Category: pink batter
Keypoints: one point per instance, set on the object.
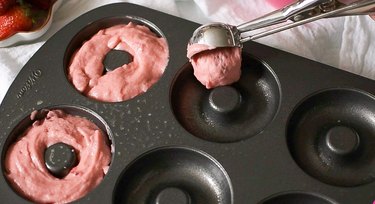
(215, 67)
(24, 162)
(150, 57)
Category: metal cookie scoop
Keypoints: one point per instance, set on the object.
(299, 13)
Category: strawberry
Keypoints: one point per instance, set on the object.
(5, 5)
(13, 21)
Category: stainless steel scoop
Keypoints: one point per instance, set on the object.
(299, 13)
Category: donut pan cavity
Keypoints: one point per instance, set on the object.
(290, 131)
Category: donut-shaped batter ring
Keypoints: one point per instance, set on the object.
(24, 163)
(150, 57)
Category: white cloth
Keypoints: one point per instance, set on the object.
(347, 43)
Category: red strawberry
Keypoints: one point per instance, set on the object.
(43, 4)
(5, 5)
(13, 21)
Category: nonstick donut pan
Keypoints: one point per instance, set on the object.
(290, 131)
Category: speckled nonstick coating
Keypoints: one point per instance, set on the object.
(159, 154)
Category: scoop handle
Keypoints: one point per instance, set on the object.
(367, 8)
(357, 8)
(279, 16)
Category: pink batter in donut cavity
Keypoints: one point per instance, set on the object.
(150, 57)
(215, 67)
(24, 162)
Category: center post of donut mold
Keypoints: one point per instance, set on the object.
(115, 59)
(59, 159)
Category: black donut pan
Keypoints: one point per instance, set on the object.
(290, 131)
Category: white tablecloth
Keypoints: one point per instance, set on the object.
(347, 43)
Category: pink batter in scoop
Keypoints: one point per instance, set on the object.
(24, 162)
(150, 57)
(215, 67)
